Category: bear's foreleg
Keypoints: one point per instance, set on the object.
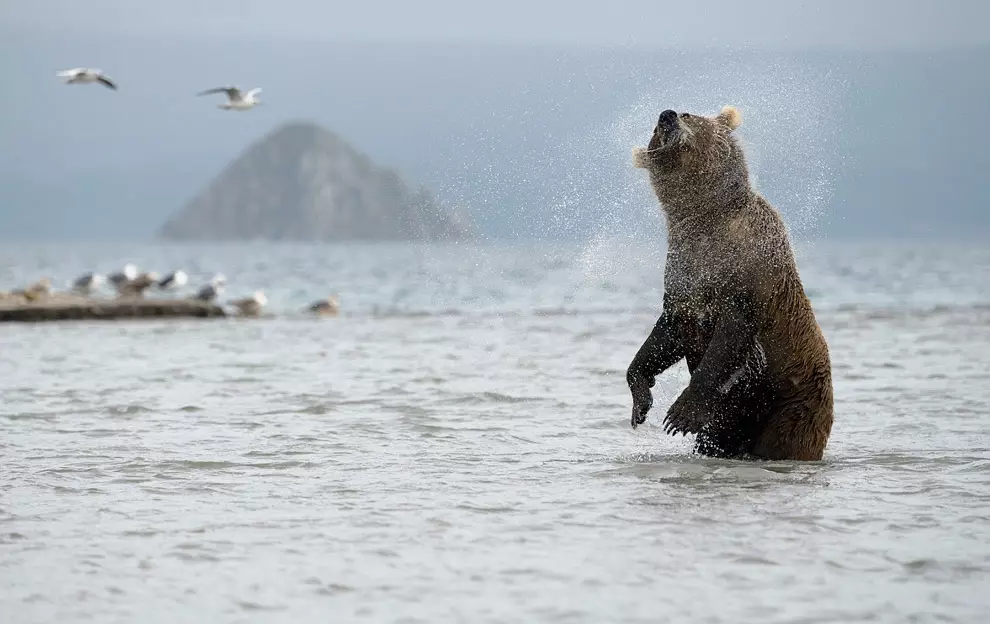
(731, 353)
(661, 350)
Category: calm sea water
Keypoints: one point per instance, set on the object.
(455, 447)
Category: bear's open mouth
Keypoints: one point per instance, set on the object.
(664, 138)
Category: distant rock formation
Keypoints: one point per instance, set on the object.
(302, 182)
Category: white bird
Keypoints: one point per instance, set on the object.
(174, 280)
(212, 290)
(87, 283)
(84, 75)
(136, 287)
(252, 305)
(236, 99)
(119, 279)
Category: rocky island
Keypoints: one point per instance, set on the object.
(69, 307)
(303, 182)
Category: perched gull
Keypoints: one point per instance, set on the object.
(35, 291)
(236, 99)
(137, 286)
(252, 305)
(212, 290)
(326, 307)
(87, 283)
(175, 279)
(117, 280)
(82, 75)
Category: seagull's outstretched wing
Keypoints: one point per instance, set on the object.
(232, 92)
(69, 72)
(107, 82)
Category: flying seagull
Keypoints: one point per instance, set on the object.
(236, 100)
(83, 75)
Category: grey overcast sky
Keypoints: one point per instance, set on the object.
(762, 23)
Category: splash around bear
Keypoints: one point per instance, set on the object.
(733, 307)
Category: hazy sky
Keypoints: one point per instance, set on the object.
(833, 133)
(832, 23)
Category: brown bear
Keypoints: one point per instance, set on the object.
(733, 305)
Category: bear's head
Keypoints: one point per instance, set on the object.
(683, 143)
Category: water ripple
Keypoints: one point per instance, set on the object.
(456, 447)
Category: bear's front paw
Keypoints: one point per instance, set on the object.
(639, 412)
(688, 414)
(642, 402)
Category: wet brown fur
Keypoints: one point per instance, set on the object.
(729, 252)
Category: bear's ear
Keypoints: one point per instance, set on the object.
(730, 117)
(640, 158)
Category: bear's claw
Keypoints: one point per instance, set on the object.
(638, 415)
(686, 415)
(642, 402)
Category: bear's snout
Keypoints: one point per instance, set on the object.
(668, 119)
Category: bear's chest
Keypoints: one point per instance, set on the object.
(696, 282)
